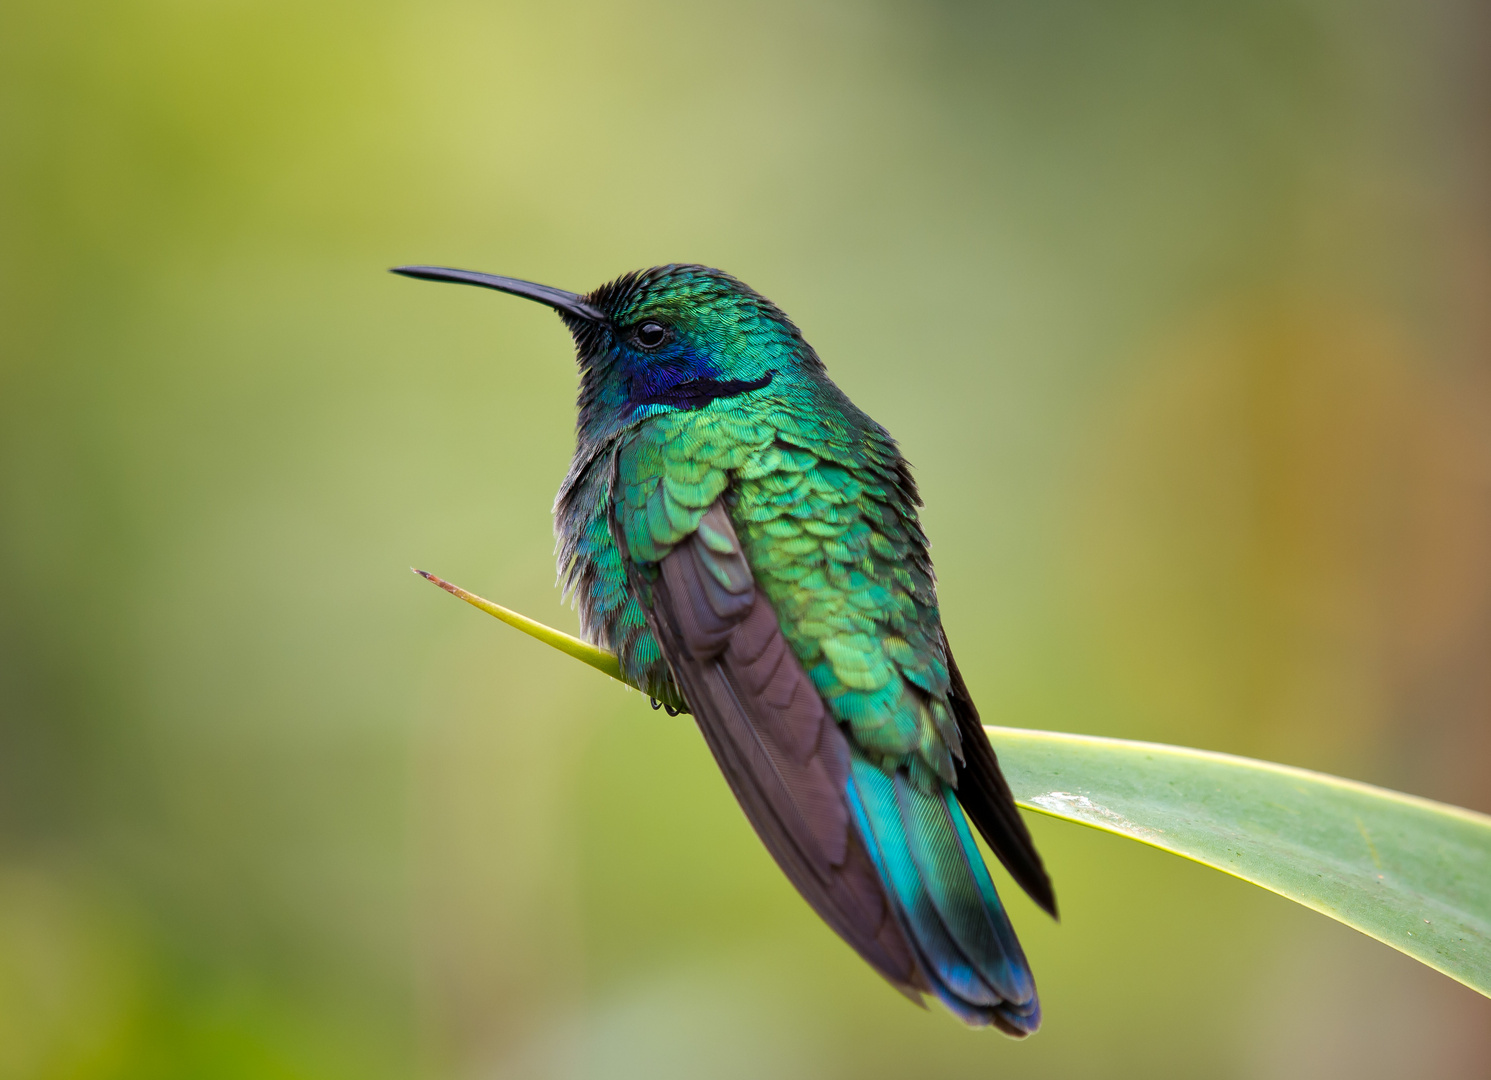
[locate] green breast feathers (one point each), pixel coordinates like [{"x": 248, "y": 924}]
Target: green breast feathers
[{"x": 827, "y": 515}]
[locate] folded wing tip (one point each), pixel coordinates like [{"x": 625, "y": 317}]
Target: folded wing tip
[{"x": 1043, "y": 895}]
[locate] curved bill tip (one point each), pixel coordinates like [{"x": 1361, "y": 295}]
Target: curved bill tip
[{"x": 567, "y": 303}]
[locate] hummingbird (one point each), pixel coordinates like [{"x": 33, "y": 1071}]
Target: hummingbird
[{"x": 748, "y": 542}]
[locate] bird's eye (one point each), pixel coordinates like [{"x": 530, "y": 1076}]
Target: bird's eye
[{"x": 650, "y": 335}]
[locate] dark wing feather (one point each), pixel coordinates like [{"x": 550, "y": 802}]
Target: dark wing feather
[
  {"x": 985, "y": 795},
  {"x": 780, "y": 750}
]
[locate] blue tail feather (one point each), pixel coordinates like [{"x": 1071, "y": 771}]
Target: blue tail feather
[
  {"x": 1022, "y": 985},
  {"x": 924, "y": 852},
  {"x": 950, "y": 871},
  {"x": 953, "y": 978}
]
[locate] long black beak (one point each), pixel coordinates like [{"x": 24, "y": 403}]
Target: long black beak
[{"x": 566, "y": 302}]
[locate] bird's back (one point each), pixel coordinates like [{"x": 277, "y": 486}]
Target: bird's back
[{"x": 823, "y": 512}]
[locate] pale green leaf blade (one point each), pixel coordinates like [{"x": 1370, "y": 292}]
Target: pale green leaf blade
[
  {"x": 582, "y": 651},
  {"x": 1409, "y": 872}
]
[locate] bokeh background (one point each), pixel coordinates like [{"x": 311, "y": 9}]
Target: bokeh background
[{"x": 1182, "y": 311}]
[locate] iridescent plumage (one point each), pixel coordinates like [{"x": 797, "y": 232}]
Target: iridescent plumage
[{"x": 747, "y": 540}]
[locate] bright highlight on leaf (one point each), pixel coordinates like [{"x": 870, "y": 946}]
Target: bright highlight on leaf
[{"x": 1410, "y": 872}]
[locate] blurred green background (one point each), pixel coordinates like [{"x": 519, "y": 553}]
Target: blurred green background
[{"x": 1180, "y": 310}]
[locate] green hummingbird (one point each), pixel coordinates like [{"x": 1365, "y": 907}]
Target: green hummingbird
[{"x": 747, "y": 541}]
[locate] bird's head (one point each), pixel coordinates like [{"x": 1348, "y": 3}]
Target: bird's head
[{"x": 670, "y": 338}]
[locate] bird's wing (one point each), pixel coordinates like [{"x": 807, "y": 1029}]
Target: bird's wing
[
  {"x": 836, "y": 544},
  {"x": 796, "y": 669},
  {"x": 783, "y": 755},
  {"x": 985, "y": 796}
]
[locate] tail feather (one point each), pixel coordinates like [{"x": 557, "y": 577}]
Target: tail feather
[
  {"x": 1020, "y": 987},
  {"x": 947, "y": 872},
  {"x": 944, "y": 898},
  {"x": 954, "y": 978}
]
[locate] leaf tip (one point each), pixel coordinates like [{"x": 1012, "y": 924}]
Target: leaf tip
[{"x": 447, "y": 586}]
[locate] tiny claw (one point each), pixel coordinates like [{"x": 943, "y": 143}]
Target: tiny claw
[{"x": 656, "y": 704}]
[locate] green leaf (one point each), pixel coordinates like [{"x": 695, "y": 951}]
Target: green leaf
[
  {"x": 583, "y": 651},
  {"x": 1409, "y": 872}
]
